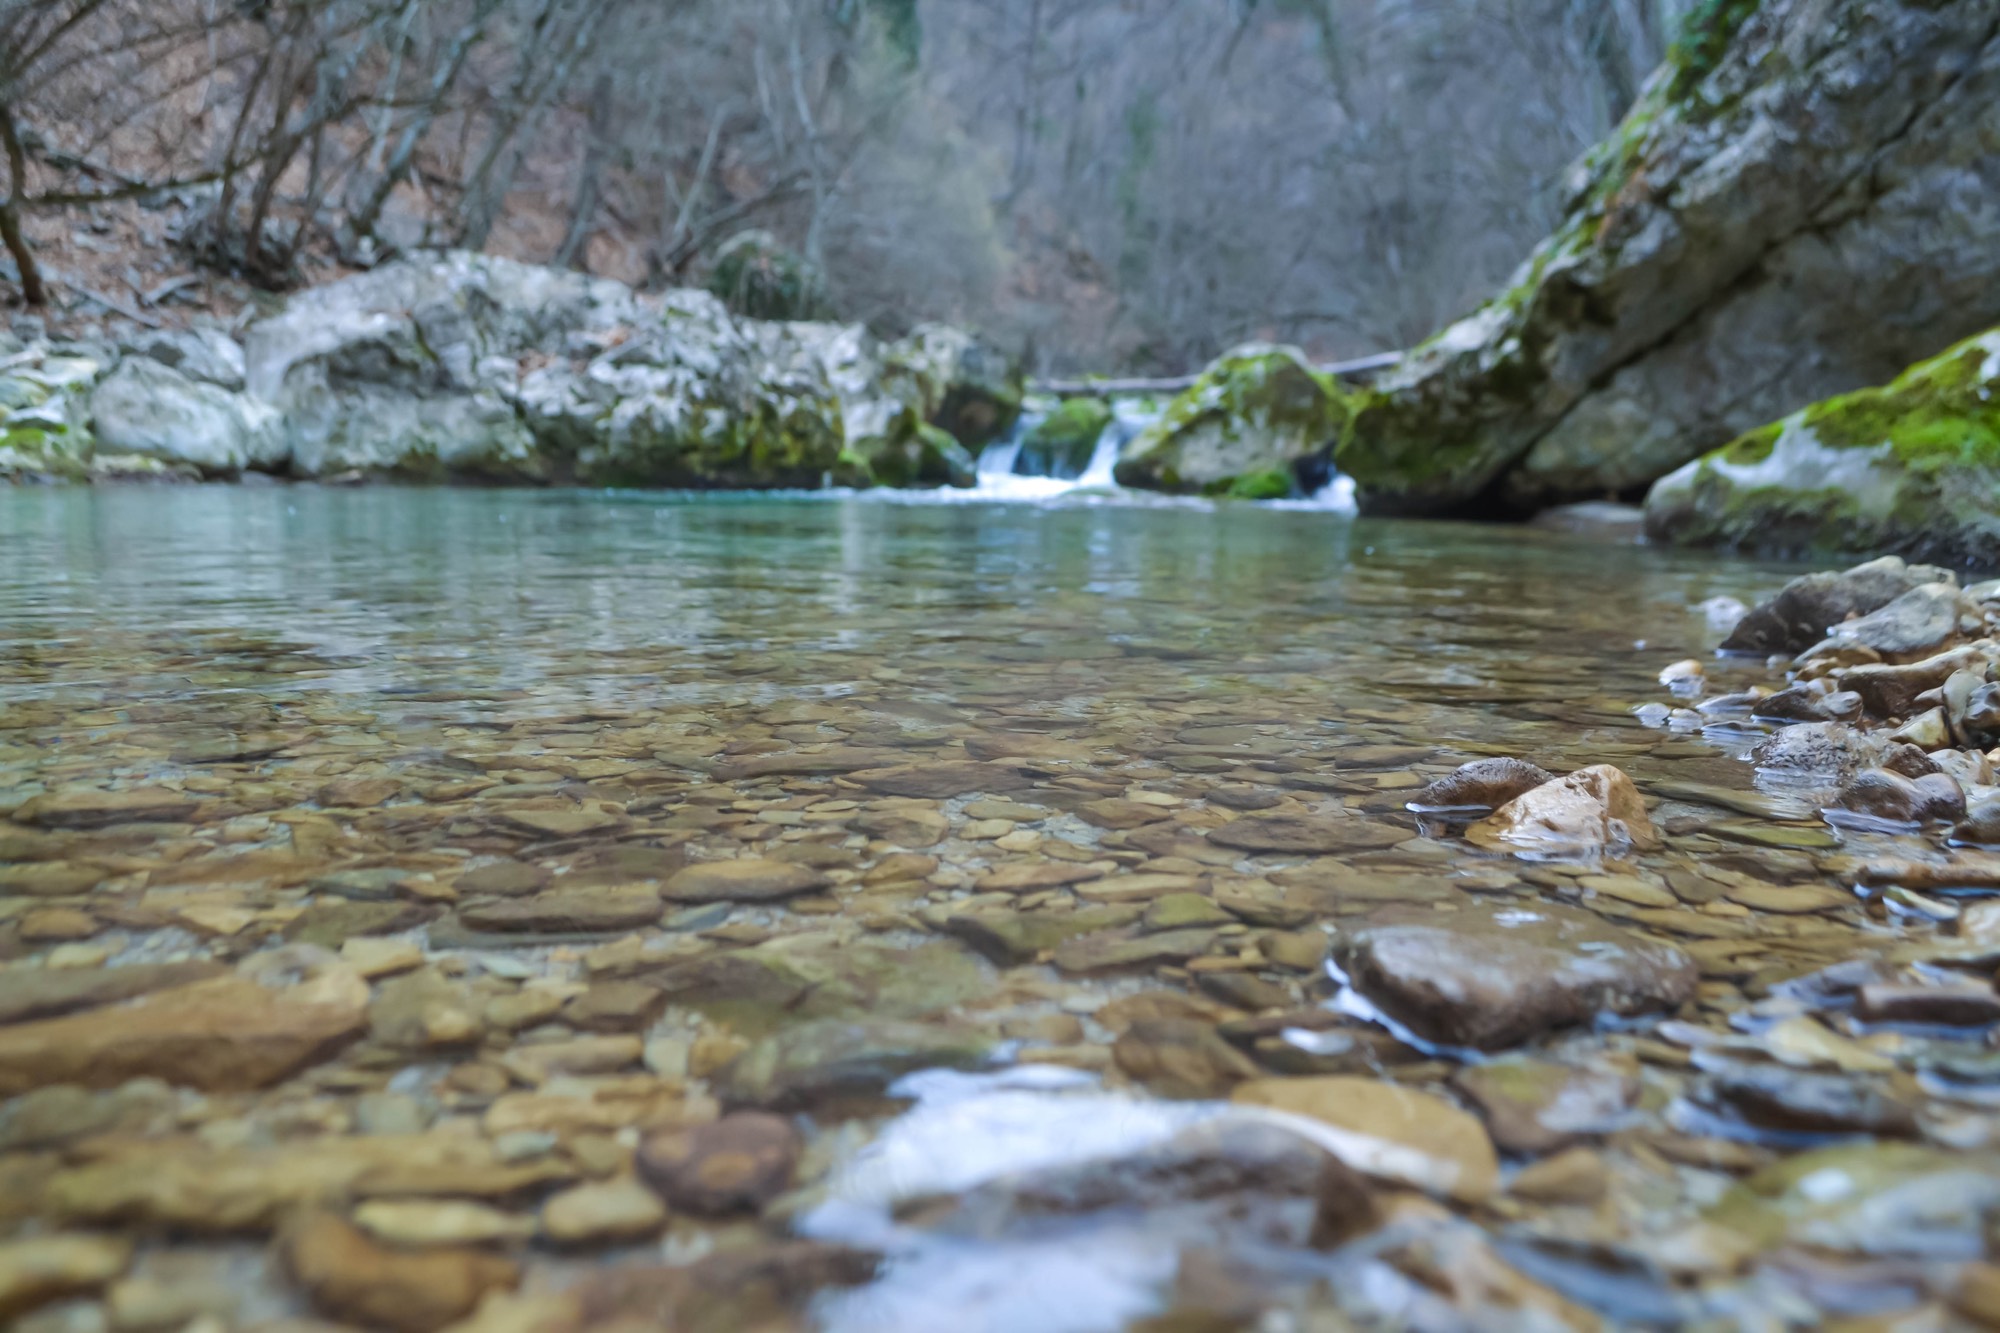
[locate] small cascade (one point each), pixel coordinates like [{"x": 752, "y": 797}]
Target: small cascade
[{"x": 997, "y": 459}]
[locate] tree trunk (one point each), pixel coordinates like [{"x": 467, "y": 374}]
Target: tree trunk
[
  {"x": 583, "y": 215},
  {"x": 33, "y": 290}
]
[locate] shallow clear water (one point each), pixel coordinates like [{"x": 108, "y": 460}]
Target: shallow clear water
[{"x": 337, "y": 682}]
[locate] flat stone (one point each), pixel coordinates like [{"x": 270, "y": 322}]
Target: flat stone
[
  {"x": 737, "y": 1164},
  {"x": 1011, "y": 939},
  {"x": 1117, "y": 813},
  {"x": 331, "y": 924},
  {"x": 350, "y": 1276},
  {"x": 943, "y": 780},
  {"x": 804, "y": 763},
  {"x": 1389, "y": 1132},
  {"x": 222, "y": 1035},
  {"x": 750, "y": 880},
  {"x": 562, "y": 911},
  {"x": 48, "y": 879},
  {"x": 423, "y": 1011},
  {"x": 811, "y": 1062},
  {"x": 502, "y": 879},
  {"x": 1575, "y": 1176},
  {"x": 1490, "y": 976},
  {"x": 1181, "y": 1058},
  {"x": 27, "y": 993},
  {"x": 421, "y": 1222},
  {"x": 1111, "y": 951},
  {"x": 1306, "y": 834},
  {"x": 1538, "y": 1106},
  {"x": 1807, "y": 607},
  {"x": 606, "y": 1212},
  {"x": 905, "y": 827},
  {"x": 1921, "y": 621},
  {"x": 39, "y": 1270},
  {"x": 98, "y": 809},
  {"x": 1033, "y": 876},
  {"x": 571, "y": 823}
]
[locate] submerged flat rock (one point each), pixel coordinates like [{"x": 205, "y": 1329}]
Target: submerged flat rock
[
  {"x": 1491, "y": 976},
  {"x": 1307, "y": 834}
]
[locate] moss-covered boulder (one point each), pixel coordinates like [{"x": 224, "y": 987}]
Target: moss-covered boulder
[
  {"x": 959, "y": 383},
  {"x": 1912, "y": 467},
  {"x": 755, "y": 274},
  {"x": 45, "y": 416},
  {"x": 907, "y": 453},
  {"x": 1259, "y": 423},
  {"x": 1801, "y": 203},
  {"x": 1061, "y": 443}
]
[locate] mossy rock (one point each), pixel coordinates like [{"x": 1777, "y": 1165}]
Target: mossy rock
[
  {"x": 956, "y": 381},
  {"x": 1258, "y": 418},
  {"x": 757, "y": 276},
  {"x": 1061, "y": 444},
  {"x": 1911, "y": 467},
  {"x": 911, "y": 454}
]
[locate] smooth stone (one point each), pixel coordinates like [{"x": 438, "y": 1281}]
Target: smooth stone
[
  {"x": 40, "y": 1270},
  {"x": 423, "y": 1011},
  {"x": 750, "y": 880},
  {"x": 222, "y": 1035},
  {"x": 1928, "y": 731},
  {"x": 905, "y": 828},
  {"x": 1483, "y": 783},
  {"x": 1537, "y": 1106},
  {"x": 350, "y": 1276},
  {"x": 1390, "y": 1132},
  {"x": 1117, "y": 813},
  {"x": 331, "y": 924},
  {"x": 566, "y": 911},
  {"x": 814, "y": 1061},
  {"x": 560, "y": 823},
  {"x": 1922, "y": 620},
  {"x": 1139, "y": 888},
  {"x": 1490, "y": 976},
  {"x": 1888, "y": 690},
  {"x": 1110, "y": 951},
  {"x": 422, "y": 1222},
  {"x": 1575, "y": 1176},
  {"x": 1180, "y": 1058},
  {"x": 1803, "y": 611},
  {"x": 1775, "y": 1097},
  {"x": 738, "y": 1164},
  {"x": 100, "y": 809},
  {"x": 503, "y": 879},
  {"x": 603, "y": 1213},
  {"x": 1182, "y": 911},
  {"x": 1011, "y": 939},
  {"x": 1306, "y": 834},
  {"x": 48, "y": 879},
  {"x": 1033, "y": 876},
  {"x": 28, "y": 993},
  {"x": 1589, "y": 811},
  {"x": 1891, "y": 796},
  {"x": 943, "y": 780},
  {"x": 1945, "y": 1005}
]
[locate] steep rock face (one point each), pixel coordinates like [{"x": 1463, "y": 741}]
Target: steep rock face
[
  {"x": 1257, "y": 424},
  {"x": 1912, "y": 467},
  {"x": 1802, "y": 202}
]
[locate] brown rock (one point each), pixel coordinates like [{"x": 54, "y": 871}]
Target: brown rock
[
  {"x": 1391, "y": 1132},
  {"x": 1589, "y": 811},
  {"x": 1494, "y": 975},
  {"x": 1178, "y": 1058},
  {"x": 226, "y": 1034},
  {"x": 907, "y": 827},
  {"x": 737, "y": 1164},
  {"x": 351, "y": 1277},
  {"x": 1483, "y": 783},
  {"x": 1577, "y": 1176},
  {"x": 97, "y": 809},
  {"x": 1315, "y": 834},
  {"x": 1537, "y": 1106},
  {"x": 750, "y": 880},
  {"x": 943, "y": 780},
  {"x": 568, "y": 911},
  {"x": 37, "y": 1270},
  {"x": 53, "y": 925},
  {"x": 502, "y": 879},
  {"x": 615, "y": 1006},
  {"x": 1033, "y": 876},
  {"x": 603, "y": 1212},
  {"x": 1116, "y": 813}
]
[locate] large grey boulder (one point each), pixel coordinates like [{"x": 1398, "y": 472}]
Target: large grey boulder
[
  {"x": 1804, "y": 201},
  {"x": 148, "y": 410}
]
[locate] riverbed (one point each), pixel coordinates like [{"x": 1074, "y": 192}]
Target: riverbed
[{"x": 699, "y": 911}]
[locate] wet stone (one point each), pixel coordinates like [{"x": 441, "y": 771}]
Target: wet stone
[
  {"x": 738, "y": 1164},
  {"x": 562, "y": 911},
  {"x": 1799, "y": 1101},
  {"x": 1491, "y": 976},
  {"x": 1590, "y": 811},
  {"x": 610, "y": 1212},
  {"x": 502, "y": 879},
  {"x": 747, "y": 880},
  {"x": 1537, "y": 1106},
  {"x": 1180, "y": 1058},
  {"x": 352, "y": 1277},
  {"x": 807, "y": 1063},
  {"x": 1315, "y": 835},
  {"x": 1802, "y": 612},
  {"x": 1113, "y": 951},
  {"x": 1444, "y": 1150},
  {"x": 100, "y": 809},
  {"x": 40, "y": 1270},
  {"x": 1483, "y": 784}
]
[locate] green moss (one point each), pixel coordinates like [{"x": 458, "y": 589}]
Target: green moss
[
  {"x": 755, "y": 275},
  {"x": 1061, "y": 443},
  {"x": 1939, "y": 413},
  {"x": 1755, "y": 447},
  {"x": 1256, "y": 409},
  {"x": 1704, "y": 40},
  {"x": 1268, "y": 484}
]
